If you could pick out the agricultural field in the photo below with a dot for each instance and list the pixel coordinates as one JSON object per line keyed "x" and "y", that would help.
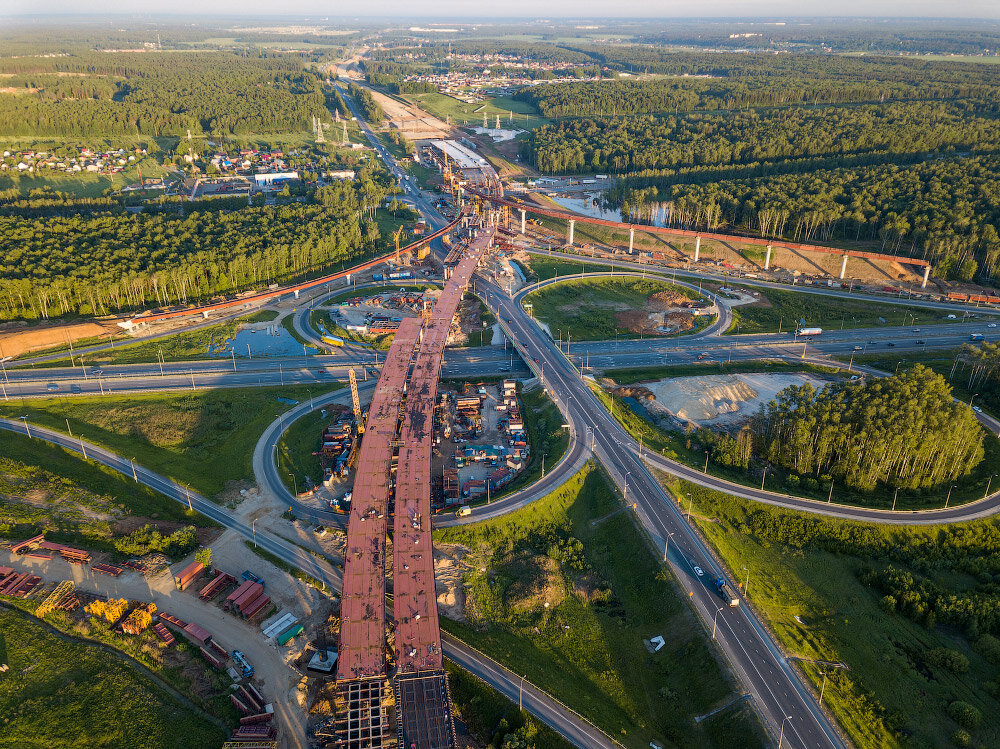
{"x": 565, "y": 591}
{"x": 784, "y": 310}
{"x": 602, "y": 309}
{"x": 885, "y": 600}
{"x": 203, "y": 439}
{"x": 66, "y": 693}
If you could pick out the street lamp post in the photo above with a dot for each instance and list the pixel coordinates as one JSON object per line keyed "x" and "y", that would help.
{"x": 666, "y": 545}
{"x": 948, "y": 498}
{"x": 781, "y": 735}
{"x": 746, "y": 585}
{"x": 822, "y": 688}
{"x": 27, "y": 429}
{"x": 763, "y": 478}
{"x": 715, "y": 622}
{"x": 295, "y": 484}
{"x": 989, "y": 479}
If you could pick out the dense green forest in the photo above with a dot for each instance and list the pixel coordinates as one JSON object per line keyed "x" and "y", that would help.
{"x": 370, "y": 109}
{"x": 650, "y": 142}
{"x": 104, "y": 261}
{"x": 903, "y": 431}
{"x": 158, "y": 94}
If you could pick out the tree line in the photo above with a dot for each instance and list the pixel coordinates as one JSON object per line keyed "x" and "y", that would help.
{"x": 109, "y": 260}
{"x": 903, "y": 431}
{"x": 652, "y": 142}
{"x": 370, "y": 109}
{"x": 154, "y": 94}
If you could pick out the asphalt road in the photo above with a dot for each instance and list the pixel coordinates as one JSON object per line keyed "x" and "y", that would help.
{"x": 763, "y": 670}
{"x": 569, "y": 724}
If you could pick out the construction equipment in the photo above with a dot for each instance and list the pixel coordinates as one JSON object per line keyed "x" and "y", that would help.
{"x": 359, "y": 422}
{"x": 243, "y": 663}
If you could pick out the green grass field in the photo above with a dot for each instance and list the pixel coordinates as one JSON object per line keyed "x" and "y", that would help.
{"x": 804, "y": 575}
{"x": 542, "y": 268}
{"x": 72, "y": 499}
{"x": 68, "y": 694}
{"x": 578, "y": 551}
{"x": 202, "y": 439}
{"x": 442, "y": 106}
{"x": 787, "y": 308}
{"x": 295, "y": 452}
{"x": 584, "y": 309}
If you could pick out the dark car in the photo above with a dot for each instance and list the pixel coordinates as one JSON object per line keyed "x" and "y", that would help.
{"x": 890, "y": 344}
{"x": 920, "y": 343}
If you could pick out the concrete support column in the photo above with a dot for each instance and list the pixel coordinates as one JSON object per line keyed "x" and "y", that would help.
{"x": 296, "y": 292}
{"x": 631, "y": 238}
{"x": 927, "y": 275}
{"x": 204, "y": 313}
{"x": 569, "y": 231}
{"x": 697, "y": 248}
{"x": 843, "y": 268}
{"x": 767, "y": 260}
{"x": 524, "y": 214}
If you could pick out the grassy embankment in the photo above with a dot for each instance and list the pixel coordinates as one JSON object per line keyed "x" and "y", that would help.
{"x": 202, "y": 439}
{"x": 785, "y": 309}
{"x": 62, "y": 693}
{"x": 185, "y": 346}
{"x": 295, "y": 451}
{"x": 47, "y": 488}
{"x": 491, "y": 717}
{"x": 806, "y": 580}
{"x": 585, "y": 308}
{"x": 565, "y": 591}
{"x": 675, "y": 444}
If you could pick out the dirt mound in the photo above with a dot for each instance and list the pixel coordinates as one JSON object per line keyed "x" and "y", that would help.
{"x": 662, "y": 301}
{"x": 655, "y": 323}
{"x": 633, "y": 391}
{"x": 40, "y": 337}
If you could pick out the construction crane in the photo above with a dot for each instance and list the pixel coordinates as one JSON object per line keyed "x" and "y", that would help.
{"x": 357, "y": 402}
{"x": 396, "y": 236}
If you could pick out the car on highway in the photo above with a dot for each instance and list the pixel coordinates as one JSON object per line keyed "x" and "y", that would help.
{"x": 51, "y": 386}
{"x": 75, "y": 389}
{"x": 920, "y": 343}
{"x": 699, "y": 571}
{"x": 859, "y": 348}
{"x": 916, "y": 330}
{"x": 890, "y": 344}
{"x": 991, "y": 325}
{"x": 977, "y": 409}
{"x": 872, "y": 343}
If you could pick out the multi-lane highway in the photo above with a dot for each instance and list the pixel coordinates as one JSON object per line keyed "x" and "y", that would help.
{"x": 776, "y": 688}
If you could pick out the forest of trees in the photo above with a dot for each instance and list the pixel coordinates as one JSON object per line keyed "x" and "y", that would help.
{"x": 105, "y": 261}
{"x": 903, "y": 431}
{"x": 651, "y": 142}
{"x": 154, "y": 94}
{"x": 370, "y": 109}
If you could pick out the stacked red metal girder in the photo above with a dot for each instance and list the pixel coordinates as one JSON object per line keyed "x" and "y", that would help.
{"x": 418, "y": 637}
{"x": 362, "y": 623}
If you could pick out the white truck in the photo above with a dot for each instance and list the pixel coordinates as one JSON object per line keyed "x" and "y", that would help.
{"x": 808, "y": 331}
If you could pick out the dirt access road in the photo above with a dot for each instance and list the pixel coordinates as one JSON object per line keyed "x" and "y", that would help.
{"x": 276, "y": 679}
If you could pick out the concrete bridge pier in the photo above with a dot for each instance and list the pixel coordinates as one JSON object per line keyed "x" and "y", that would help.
{"x": 767, "y": 260}
{"x": 631, "y": 238}
{"x": 697, "y": 248}
{"x": 927, "y": 275}
{"x": 204, "y": 313}
{"x": 296, "y": 292}
{"x": 569, "y": 231}
{"x": 524, "y": 215}
{"x": 843, "y": 268}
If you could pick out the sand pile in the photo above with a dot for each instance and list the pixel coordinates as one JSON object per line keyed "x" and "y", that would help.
{"x": 722, "y": 398}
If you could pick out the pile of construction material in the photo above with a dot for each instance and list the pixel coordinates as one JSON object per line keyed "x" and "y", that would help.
{"x": 17, "y": 584}
{"x": 248, "y": 600}
{"x": 40, "y": 548}
{"x": 186, "y": 577}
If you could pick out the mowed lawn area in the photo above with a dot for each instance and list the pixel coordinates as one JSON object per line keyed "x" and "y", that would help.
{"x": 784, "y": 310}
{"x": 60, "y": 694}
{"x": 882, "y": 599}
{"x": 585, "y": 309}
{"x": 565, "y": 591}
{"x": 203, "y": 439}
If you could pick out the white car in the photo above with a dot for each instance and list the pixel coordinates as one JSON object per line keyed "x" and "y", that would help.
{"x": 991, "y": 325}
{"x": 977, "y": 409}
{"x": 699, "y": 572}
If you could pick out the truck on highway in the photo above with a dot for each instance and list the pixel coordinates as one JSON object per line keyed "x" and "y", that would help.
{"x": 332, "y": 340}
{"x": 726, "y": 592}
{"x": 808, "y": 331}
{"x": 977, "y": 337}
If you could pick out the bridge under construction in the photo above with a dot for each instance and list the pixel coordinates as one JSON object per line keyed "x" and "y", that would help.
{"x": 394, "y": 476}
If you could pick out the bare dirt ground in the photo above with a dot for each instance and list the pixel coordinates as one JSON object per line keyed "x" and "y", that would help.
{"x": 414, "y": 123}
{"x": 449, "y": 572}
{"x": 721, "y": 400}
{"x": 274, "y": 675}
{"x": 18, "y": 339}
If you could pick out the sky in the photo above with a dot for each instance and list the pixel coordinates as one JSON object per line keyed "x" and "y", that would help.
{"x": 402, "y": 9}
